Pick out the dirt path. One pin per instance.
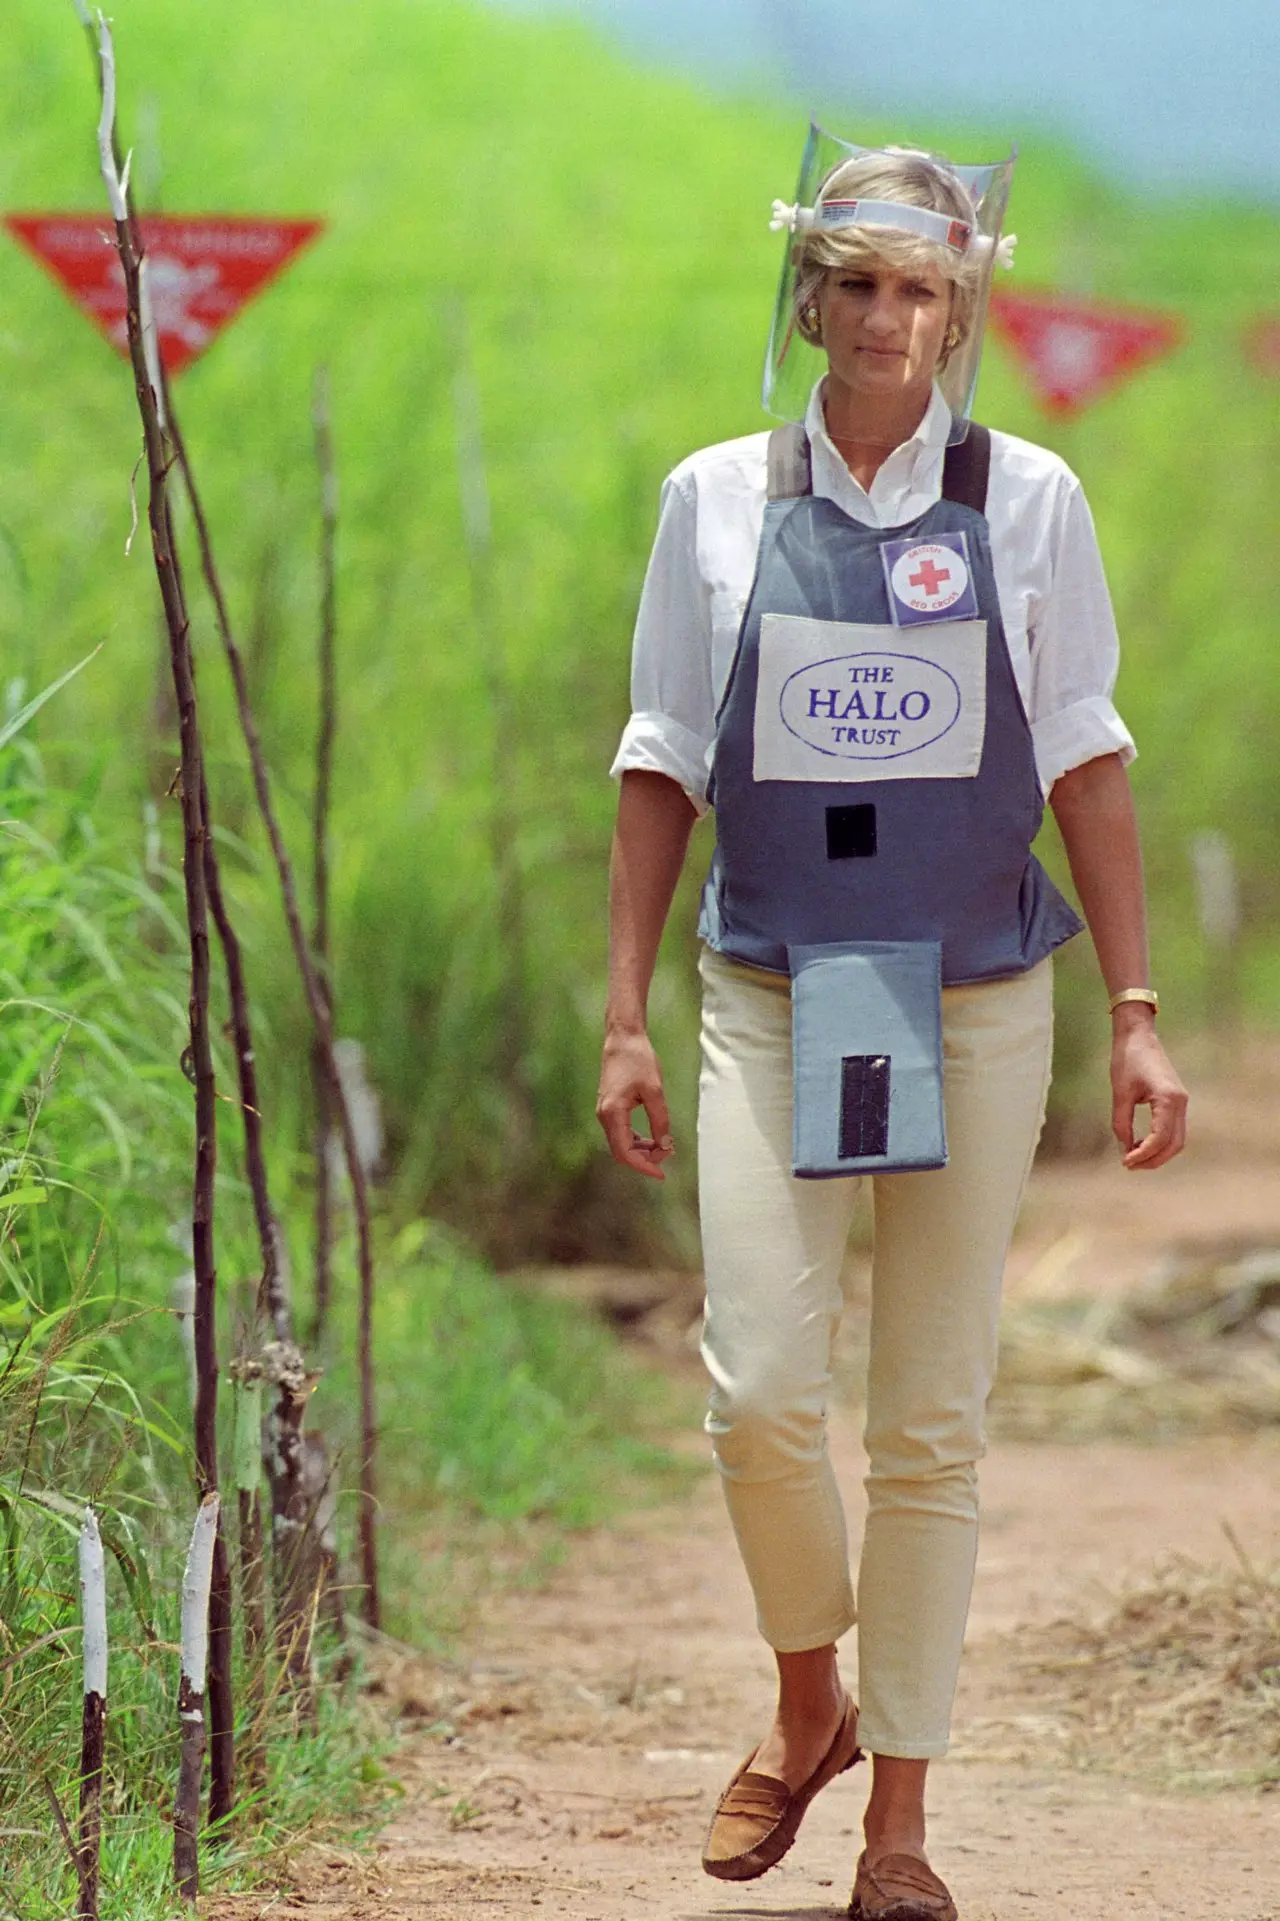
(595, 1720)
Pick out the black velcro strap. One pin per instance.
(967, 469)
(864, 1105)
(851, 832)
(790, 466)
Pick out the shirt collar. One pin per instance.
(909, 480)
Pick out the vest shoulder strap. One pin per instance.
(790, 467)
(967, 469)
(965, 473)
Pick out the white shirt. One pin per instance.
(1053, 593)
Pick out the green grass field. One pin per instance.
(606, 231)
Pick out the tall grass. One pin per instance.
(499, 1411)
(94, 1117)
(606, 228)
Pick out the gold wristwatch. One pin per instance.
(1145, 994)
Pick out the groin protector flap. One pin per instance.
(867, 1041)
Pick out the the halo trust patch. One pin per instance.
(842, 701)
(929, 579)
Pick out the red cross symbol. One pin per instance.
(930, 577)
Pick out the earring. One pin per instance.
(952, 337)
(810, 318)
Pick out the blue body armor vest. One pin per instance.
(876, 799)
(842, 813)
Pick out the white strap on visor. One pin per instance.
(831, 215)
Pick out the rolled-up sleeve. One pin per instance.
(1075, 651)
(672, 722)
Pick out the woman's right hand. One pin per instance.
(629, 1078)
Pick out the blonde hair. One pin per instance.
(909, 177)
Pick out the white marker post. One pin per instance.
(93, 1615)
(196, 1582)
(246, 1388)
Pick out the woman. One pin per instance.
(845, 818)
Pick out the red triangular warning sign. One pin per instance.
(1262, 344)
(202, 269)
(1076, 350)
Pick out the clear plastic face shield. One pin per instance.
(845, 188)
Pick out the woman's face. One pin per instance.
(883, 327)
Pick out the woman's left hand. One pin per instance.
(1142, 1075)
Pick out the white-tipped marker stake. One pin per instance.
(246, 1388)
(93, 1615)
(196, 1582)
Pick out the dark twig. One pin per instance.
(320, 416)
(220, 1698)
(147, 386)
(273, 1291)
(63, 1827)
(318, 1007)
(283, 1442)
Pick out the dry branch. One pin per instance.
(274, 1296)
(322, 1025)
(326, 649)
(61, 1823)
(93, 1615)
(273, 1290)
(274, 1299)
(199, 1057)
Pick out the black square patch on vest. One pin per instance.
(864, 1104)
(851, 832)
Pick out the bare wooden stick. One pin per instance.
(247, 1458)
(116, 180)
(195, 1659)
(198, 1060)
(93, 1614)
(322, 424)
(62, 1825)
(322, 1024)
(274, 1291)
(274, 1295)
(282, 1449)
(274, 1301)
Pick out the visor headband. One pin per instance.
(830, 216)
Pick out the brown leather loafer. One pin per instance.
(757, 1817)
(899, 1888)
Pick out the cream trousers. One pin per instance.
(773, 1248)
